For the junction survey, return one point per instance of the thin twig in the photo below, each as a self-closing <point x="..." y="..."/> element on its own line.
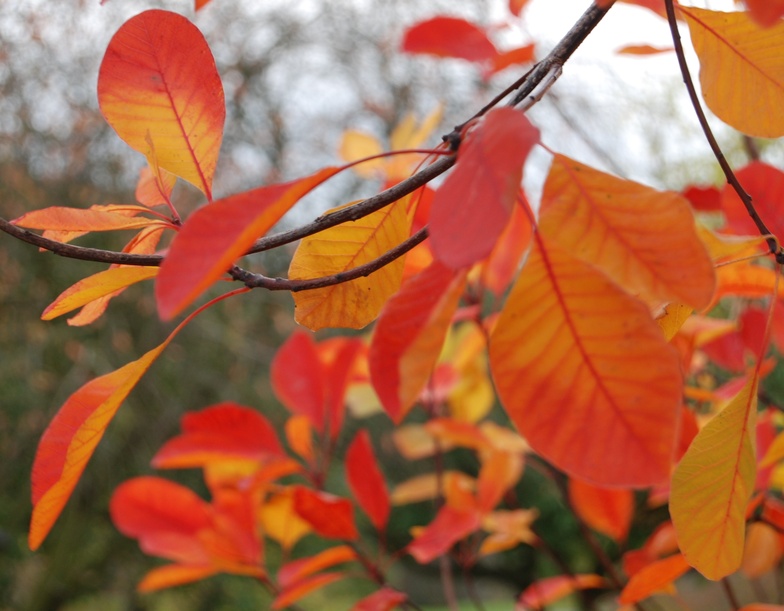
<point x="714" y="145"/>
<point x="727" y="587"/>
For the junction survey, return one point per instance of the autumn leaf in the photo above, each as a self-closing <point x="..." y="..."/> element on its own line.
<point x="302" y="588"/>
<point x="607" y="510"/>
<point x="657" y="576"/>
<point x="58" y="218"/>
<point x="712" y="485"/>
<point x="473" y="205"/>
<point x="585" y="374"/>
<point x="279" y="520"/>
<point x="763" y="550"/>
<point x="741" y="69"/>
<point x="544" y="592"/>
<point x="217" y="234"/>
<point x="366" y="480"/>
<point x="159" y="89"/>
<point x="296" y="571"/>
<point x="502" y="265"/>
<point x="384" y="599"/>
<point x="409" y="336"/>
<point x="766" y="12"/>
<point x="643" y="239"/>
<point x="765" y="185"/>
<point x="450" y="525"/>
<point x="449" y="37"/>
<point x="154" y="190"/>
<point x="338" y="249"/>
<point x="329" y="515"/>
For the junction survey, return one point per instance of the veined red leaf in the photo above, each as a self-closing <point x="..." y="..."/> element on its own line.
<point x="644" y="239"/>
<point x="298" y="570"/>
<point x="766" y="12"/>
<point x="96" y="286"/>
<point x="303" y="588"/>
<point x="217" y="234"/>
<point x="329" y="515"/>
<point x="546" y="591"/>
<point x="585" y="374"/>
<point x="473" y="205"/>
<point x="366" y="480"/>
<point x="607" y="510"/>
<point x="353" y="304"/>
<point x="298" y="378"/>
<point x="741" y="69"/>
<point x="450" y="525"/>
<point x="409" y="336"/>
<point x="712" y="485"/>
<point x="449" y="37"/>
<point x="654" y="578"/>
<point x="159" y="89"/>
<point x="58" y="218"/>
<point x="224" y="431"/>
<point x="384" y="599"/>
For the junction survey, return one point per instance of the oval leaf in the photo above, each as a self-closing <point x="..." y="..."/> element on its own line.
<point x="158" y="87"/>
<point x="449" y="37"/>
<point x="366" y="480"/>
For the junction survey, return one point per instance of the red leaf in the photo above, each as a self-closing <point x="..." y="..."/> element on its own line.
<point x="158" y="87"/>
<point x="223" y="431"/>
<point x="298" y="378"/>
<point x="703" y="199"/>
<point x="337" y="357"/>
<point x="516" y="6"/>
<point x="329" y="515"/>
<point x="366" y="480"/>
<point x="653" y="578"/>
<point x="409" y="335"/>
<point x="473" y="205"/>
<point x="297" y="571"/>
<point x="765" y="185"/>
<point x="303" y="588"/>
<point x="217" y="234"/>
<point x="449" y="37"/>
<point x="766" y="12"/>
<point x="384" y="599"/>
<point x="546" y="591"/>
<point x="450" y="525"/>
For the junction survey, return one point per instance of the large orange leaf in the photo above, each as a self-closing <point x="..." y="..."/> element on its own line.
<point x="158" y="87"/>
<point x="643" y="239"/>
<point x="96" y="286"/>
<point x="357" y="303"/>
<point x="585" y="374"/>
<point x="473" y="205"/>
<point x="366" y="480"/>
<point x="712" y="485"/>
<point x="741" y="69"/>
<point x="217" y="234"/>
<point x="409" y="336"/>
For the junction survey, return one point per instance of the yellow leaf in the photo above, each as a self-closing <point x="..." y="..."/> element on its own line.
<point x="712" y="485"/>
<point x="675" y="315"/>
<point x="357" y="303"/>
<point x="741" y="69"/>
<point x="641" y="238"/>
<point x="357" y="145"/>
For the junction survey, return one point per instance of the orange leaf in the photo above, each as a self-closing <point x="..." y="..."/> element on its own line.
<point x="96" y="286"/>
<point x="504" y="260"/>
<point x="763" y="550"/>
<point x="338" y="249"/>
<point x="516" y="6"/>
<point x="473" y="205"/>
<point x="642" y="50"/>
<point x="520" y="55"/>
<point x="158" y="87"/>
<point x="653" y="578"/>
<point x="409" y="335"/>
<point x="643" y="239"/>
<point x="174" y="575"/>
<point x="712" y="485"/>
<point x="366" y="480"/>
<point x="449" y="37"/>
<point x="294" y="572"/>
<point x="499" y="472"/>
<point x="546" y="591"/>
<point x="741" y="69"/>
<point x="152" y="190"/>
<point x="761" y="607"/>
<point x="329" y="515"/>
<point x="585" y="374"/>
<point x="608" y="510"/>
<point x="72" y="436"/>
<point x="299" y="434"/>
<point x="217" y="234"/>
<point x="279" y="520"/>
<point x="225" y="431"/>
<point x="58" y="218"/>
<point x="507" y="529"/>
<point x="450" y="525"/>
<point x="745" y="279"/>
<point x="384" y="599"/>
<point x="288" y="597"/>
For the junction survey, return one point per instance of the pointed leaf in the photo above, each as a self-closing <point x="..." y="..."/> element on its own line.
<point x="608" y="510"/>
<point x="59" y="218"/>
<point x="366" y="480"/>
<point x="158" y="87"/>
<point x="473" y="205"/>
<point x="546" y="591"/>
<point x="644" y="239"/>
<point x="765" y="184"/>
<point x="450" y="525"/>
<point x="500" y="471"/>
<point x="357" y="303"/>
<point x="303" y="588"/>
<point x="449" y="37"/>
<point x="585" y="374"/>
<point x="279" y="520"/>
<point x="504" y="260"/>
<point x="384" y="599"/>
<point x="298" y="378"/>
<point x="653" y="578"/>
<point x="329" y="515"/>
<point x="712" y="485"/>
<point x="741" y="69"/>
<point x="409" y="336"/>
<point x="96" y="286"/>
<point x="152" y="190"/>
<point x="298" y="570"/>
<point x="217" y="234"/>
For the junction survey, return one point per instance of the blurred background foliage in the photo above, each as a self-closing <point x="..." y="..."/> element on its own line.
<point x="296" y="74"/>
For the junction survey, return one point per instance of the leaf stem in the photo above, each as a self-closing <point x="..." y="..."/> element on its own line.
<point x="733" y="600"/>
